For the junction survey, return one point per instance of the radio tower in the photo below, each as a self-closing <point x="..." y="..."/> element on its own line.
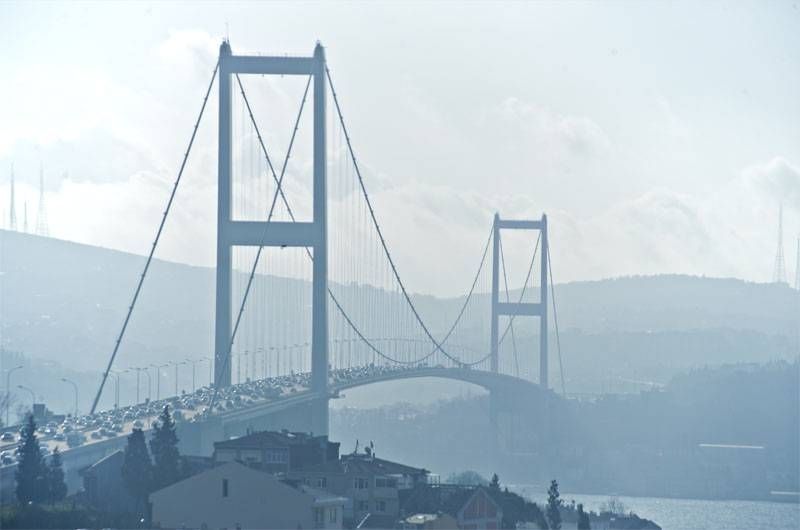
<point x="42" y="228"/>
<point x="779" y="273"/>
<point x="797" y="267"/>
<point x="12" y="213"/>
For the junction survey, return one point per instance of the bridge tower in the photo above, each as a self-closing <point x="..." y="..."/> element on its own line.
<point x="524" y="308"/>
<point x="312" y="235"/>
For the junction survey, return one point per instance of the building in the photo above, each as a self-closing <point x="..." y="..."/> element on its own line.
<point x="373" y="484"/>
<point x="104" y="487"/>
<point x="232" y="495"/>
<point x="472" y="507"/>
<point x="277" y="452"/>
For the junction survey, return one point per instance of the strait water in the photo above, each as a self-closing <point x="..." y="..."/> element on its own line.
<point x="692" y="514"/>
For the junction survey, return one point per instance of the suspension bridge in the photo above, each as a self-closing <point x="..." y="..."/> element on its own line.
<point x="342" y="304"/>
<point x="309" y="297"/>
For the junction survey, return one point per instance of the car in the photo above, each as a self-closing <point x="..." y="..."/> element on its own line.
<point x="75" y="439"/>
<point x="7" y="459"/>
<point x="95" y="435"/>
<point x="138" y="424"/>
<point x="59" y="437"/>
<point x="7" y="437"/>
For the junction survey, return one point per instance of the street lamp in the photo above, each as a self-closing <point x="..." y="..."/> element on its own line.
<point x="149" y="382"/>
<point x="158" y="379"/>
<point x="116" y="387"/>
<point x="194" y="362"/>
<point x="8" y="389"/>
<point x="176" y="363"/>
<point x="33" y="396"/>
<point x="75" y="387"/>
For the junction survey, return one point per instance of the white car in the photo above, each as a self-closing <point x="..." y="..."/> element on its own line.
<point x="7" y="437"/>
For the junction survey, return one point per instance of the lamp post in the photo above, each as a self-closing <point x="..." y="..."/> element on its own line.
<point x="116" y="387"/>
<point x="158" y="379"/>
<point x="137" y="381"/>
<point x="75" y="387"/>
<point x="149" y="383"/>
<point x="194" y="363"/>
<point x="176" y="363"/>
<point x="8" y="389"/>
<point x="33" y="395"/>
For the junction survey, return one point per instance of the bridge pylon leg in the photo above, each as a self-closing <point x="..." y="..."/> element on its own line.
<point x="515" y="309"/>
<point x="303" y="235"/>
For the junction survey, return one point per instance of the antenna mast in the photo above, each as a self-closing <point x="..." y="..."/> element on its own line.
<point x="779" y="272"/>
<point x="42" y="227"/>
<point x="12" y="214"/>
<point x="797" y="267"/>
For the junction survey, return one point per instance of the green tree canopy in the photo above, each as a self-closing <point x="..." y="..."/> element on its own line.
<point x="56" y="486"/>
<point x="164" y="448"/>
<point x="31" y="474"/>
<point x="553" y="504"/>
<point x="467" y="478"/>
<point x="137" y="470"/>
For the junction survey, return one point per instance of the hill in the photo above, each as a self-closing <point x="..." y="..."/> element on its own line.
<point x="64" y="302"/>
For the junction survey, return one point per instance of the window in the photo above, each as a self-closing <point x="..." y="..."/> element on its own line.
<point x="380" y="506"/>
<point x="382" y="482"/>
<point x="333" y="514"/>
<point x="362" y="506"/>
<point x="277" y="457"/>
<point x="361" y="483"/>
<point x="224" y="487"/>
<point x="322" y="482"/>
<point x="319" y="516"/>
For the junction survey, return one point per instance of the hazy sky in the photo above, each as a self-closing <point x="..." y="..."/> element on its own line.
<point x="658" y="137"/>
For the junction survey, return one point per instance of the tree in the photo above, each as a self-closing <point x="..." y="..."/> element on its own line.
<point x="164" y="448"/>
<point x="583" y="519"/>
<point x="495" y="483"/>
<point x="56" y="487"/>
<point x="553" y="505"/>
<point x="137" y="470"/>
<point x="31" y="471"/>
<point x="467" y="478"/>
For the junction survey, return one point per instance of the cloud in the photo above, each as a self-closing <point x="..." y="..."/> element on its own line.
<point x="565" y="134"/>
<point x="436" y="233"/>
<point x="777" y="179"/>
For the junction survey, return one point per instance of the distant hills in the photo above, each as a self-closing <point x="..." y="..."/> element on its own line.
<point x="64" y="302"/>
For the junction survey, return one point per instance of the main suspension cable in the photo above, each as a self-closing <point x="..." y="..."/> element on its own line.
<point x="508" y="299"/>
<point x="290" y="212"/>
<point x="155" y="243"/>
<point x="278" y="192"/>
<point x="555" y="322"/>
<point x="415" y="312"/>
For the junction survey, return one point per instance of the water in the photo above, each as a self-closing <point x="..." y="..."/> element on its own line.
<point x="691" y="514"/>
